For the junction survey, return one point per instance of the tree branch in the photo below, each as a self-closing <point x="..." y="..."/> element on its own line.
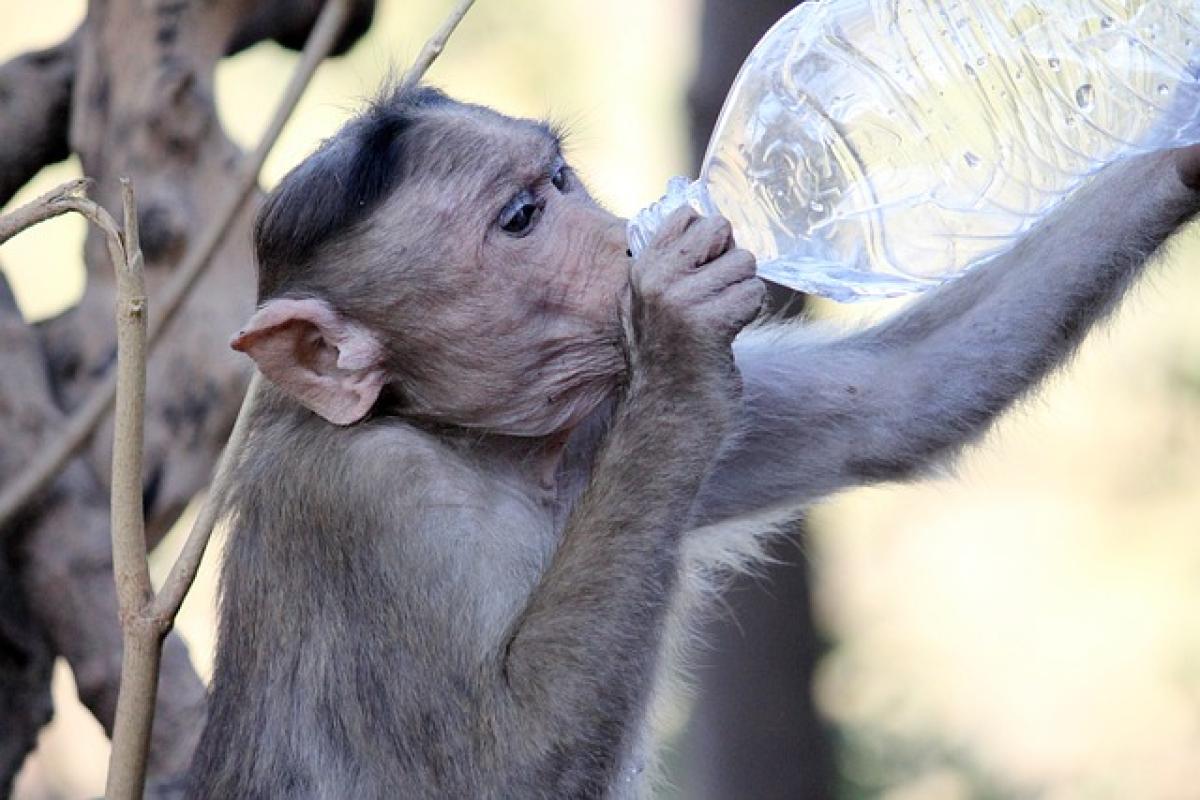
<point x="84" y="421"/>
<point x="35" y="108"/>
<point x="289" y="23"/>
<point x="434" y="47"/>
<point x="142" y="641"/>
<point x="183" y="571"/>
<point x="49" y="462"/>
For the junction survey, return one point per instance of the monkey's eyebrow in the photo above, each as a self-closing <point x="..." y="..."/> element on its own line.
<point x="550" y="134"/>
<point x="508" y="177"/>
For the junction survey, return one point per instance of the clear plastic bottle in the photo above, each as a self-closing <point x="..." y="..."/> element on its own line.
<point x="871" y="148"/>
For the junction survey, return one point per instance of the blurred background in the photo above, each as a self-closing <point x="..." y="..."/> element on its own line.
<point x="1028" y="627"/>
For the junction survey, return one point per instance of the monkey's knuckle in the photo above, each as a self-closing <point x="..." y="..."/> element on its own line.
<point x="749" y="297"/>
<point x="714" y="230"/>
<point x="724" y="230"/>
<point x="678" y="223"/>
<point x="745" y="260"/>
<point x="681" y="259"/>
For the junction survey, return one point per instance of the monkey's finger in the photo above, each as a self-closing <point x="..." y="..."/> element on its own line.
<point x="736" y="306"/>
<point x="674" y="227"/>
<point x="703" y="242"/>
<point x="717" y="236"/>
<point x="734" y="266"/>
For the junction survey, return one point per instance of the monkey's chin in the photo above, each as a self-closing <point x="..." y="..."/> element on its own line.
<point x="557" y="415"/>
<point x="543" y="415"/>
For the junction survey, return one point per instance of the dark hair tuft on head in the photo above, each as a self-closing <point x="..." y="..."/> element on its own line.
<point x="337" y="186"/>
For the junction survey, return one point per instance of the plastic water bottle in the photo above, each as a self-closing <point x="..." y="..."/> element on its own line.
<point x="871" y="148"/>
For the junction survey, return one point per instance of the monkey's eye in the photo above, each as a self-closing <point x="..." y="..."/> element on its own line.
<point x="561" y="178"/>
<point x="519" y="215"/>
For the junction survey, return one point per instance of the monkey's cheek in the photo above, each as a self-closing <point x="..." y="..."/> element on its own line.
<point x="567" y="411"/>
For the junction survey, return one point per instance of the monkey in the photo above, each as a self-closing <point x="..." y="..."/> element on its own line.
<point x="496" y="457"/>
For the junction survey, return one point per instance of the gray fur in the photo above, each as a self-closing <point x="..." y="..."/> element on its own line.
<point x="824" y="411"/>
<point x="436" y="603"/>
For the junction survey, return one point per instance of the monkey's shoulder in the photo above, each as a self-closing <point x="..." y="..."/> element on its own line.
<point x="396" y="449"/>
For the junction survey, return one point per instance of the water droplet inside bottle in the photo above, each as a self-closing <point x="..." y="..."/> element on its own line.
<point x="1163" y="90"/>
<point x="972" y="159"/>
<point x="1055" y="64"/>
<point x="979" y="62"/>
<point x="1085" y="97"/>
<point x="817" y="206"/>
<point x="1107" y="23"/>
<point x="1070" y="120"/>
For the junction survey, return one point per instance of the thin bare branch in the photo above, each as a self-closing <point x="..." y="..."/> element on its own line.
<point x="142" y="642"/>
<point x="436" y="44"/>
<point x="128" y="524"/>
<point x="45" y="207"/>
<point x="63" y="199"/>
<point x="183" y="572"/>
<point x="135" y="709"/>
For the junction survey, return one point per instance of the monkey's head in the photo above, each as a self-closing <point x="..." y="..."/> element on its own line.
<point x="444" y="261"/>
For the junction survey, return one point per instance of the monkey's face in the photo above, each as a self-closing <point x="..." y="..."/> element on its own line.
<point x="459" y="262"/>
<point x="524" y="321"/>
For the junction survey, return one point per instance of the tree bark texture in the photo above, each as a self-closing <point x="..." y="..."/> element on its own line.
<point x="130" y="93"/>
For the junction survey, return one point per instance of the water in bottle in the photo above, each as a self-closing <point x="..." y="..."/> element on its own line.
<point x="871" y="148"/>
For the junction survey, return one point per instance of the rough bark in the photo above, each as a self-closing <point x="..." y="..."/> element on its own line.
<point x="26" y="659"/>
<point x="132" y="94"/>
<point x="26" y="653"/>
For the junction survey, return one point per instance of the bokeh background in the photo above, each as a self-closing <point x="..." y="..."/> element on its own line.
<point x="1026" y="627"/>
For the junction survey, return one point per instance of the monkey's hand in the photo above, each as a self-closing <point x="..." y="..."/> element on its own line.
<point x="692" y="291"/>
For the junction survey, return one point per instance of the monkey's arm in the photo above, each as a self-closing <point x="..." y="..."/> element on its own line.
<point x="823" y="412"/>
<point x="580" y="662"/>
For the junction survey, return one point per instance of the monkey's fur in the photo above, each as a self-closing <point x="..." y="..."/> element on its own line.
<point x="495" y="457"/>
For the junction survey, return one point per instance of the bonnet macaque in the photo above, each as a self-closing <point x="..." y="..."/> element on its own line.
<point x="495" y="451"/>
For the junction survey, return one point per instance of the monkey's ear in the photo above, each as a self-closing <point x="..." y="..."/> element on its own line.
<point x="327" y="362"/>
